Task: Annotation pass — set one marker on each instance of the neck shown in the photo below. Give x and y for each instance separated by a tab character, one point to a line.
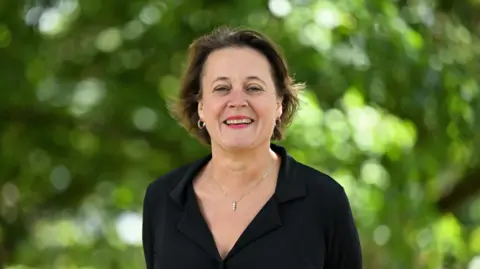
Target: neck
235	169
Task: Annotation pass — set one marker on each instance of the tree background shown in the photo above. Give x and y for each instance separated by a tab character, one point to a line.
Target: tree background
392	111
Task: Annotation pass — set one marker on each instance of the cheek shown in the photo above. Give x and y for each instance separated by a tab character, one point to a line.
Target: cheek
267	113
212	109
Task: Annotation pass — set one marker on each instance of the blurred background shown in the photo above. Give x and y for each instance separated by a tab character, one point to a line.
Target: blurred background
392	111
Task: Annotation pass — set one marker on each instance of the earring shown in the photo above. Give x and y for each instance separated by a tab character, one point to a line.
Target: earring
200	124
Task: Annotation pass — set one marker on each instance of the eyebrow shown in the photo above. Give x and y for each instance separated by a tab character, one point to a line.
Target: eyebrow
248	78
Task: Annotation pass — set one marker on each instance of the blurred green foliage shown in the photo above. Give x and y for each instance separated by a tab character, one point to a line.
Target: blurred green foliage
392	111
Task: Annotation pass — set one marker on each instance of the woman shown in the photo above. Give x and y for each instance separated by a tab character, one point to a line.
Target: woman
248	204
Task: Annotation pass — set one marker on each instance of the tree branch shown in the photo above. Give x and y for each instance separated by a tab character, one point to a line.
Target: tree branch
465	189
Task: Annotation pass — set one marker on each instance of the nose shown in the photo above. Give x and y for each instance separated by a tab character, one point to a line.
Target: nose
237	98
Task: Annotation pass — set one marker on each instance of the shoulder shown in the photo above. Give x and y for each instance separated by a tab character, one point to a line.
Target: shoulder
318	183
326	193
165	183
168	180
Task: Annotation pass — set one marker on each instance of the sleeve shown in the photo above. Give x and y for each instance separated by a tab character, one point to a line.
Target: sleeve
343	245
147	233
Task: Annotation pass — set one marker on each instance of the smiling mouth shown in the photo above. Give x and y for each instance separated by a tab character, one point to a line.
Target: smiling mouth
238	122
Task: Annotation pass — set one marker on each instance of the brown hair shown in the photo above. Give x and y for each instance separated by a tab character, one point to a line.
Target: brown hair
185	109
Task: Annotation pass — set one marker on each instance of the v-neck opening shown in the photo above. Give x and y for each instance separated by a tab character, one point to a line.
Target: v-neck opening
248	234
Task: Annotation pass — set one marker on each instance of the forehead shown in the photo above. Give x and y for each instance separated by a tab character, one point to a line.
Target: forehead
236	63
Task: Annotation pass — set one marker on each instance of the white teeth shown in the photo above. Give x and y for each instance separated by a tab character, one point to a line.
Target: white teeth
242	121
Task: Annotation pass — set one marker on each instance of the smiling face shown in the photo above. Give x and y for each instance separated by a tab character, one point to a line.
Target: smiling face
239	102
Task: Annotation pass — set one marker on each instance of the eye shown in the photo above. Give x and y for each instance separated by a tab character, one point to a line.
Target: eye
254	88
221	88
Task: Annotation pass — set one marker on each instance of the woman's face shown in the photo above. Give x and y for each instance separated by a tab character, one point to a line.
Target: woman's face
239	104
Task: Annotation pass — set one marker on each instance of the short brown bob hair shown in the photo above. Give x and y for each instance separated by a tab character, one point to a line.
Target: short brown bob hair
185	109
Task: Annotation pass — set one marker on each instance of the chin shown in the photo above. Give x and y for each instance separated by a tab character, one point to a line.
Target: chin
239	143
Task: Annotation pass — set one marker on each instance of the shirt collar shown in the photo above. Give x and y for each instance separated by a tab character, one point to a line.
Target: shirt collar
289	185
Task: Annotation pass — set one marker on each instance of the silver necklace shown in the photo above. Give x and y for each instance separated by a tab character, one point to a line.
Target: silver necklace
235	202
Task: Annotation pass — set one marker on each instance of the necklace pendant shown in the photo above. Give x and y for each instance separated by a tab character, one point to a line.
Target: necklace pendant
234	205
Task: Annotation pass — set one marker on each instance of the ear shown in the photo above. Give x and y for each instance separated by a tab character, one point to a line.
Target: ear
279	110
200	109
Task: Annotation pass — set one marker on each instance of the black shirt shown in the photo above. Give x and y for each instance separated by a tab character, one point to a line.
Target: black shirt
307	223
